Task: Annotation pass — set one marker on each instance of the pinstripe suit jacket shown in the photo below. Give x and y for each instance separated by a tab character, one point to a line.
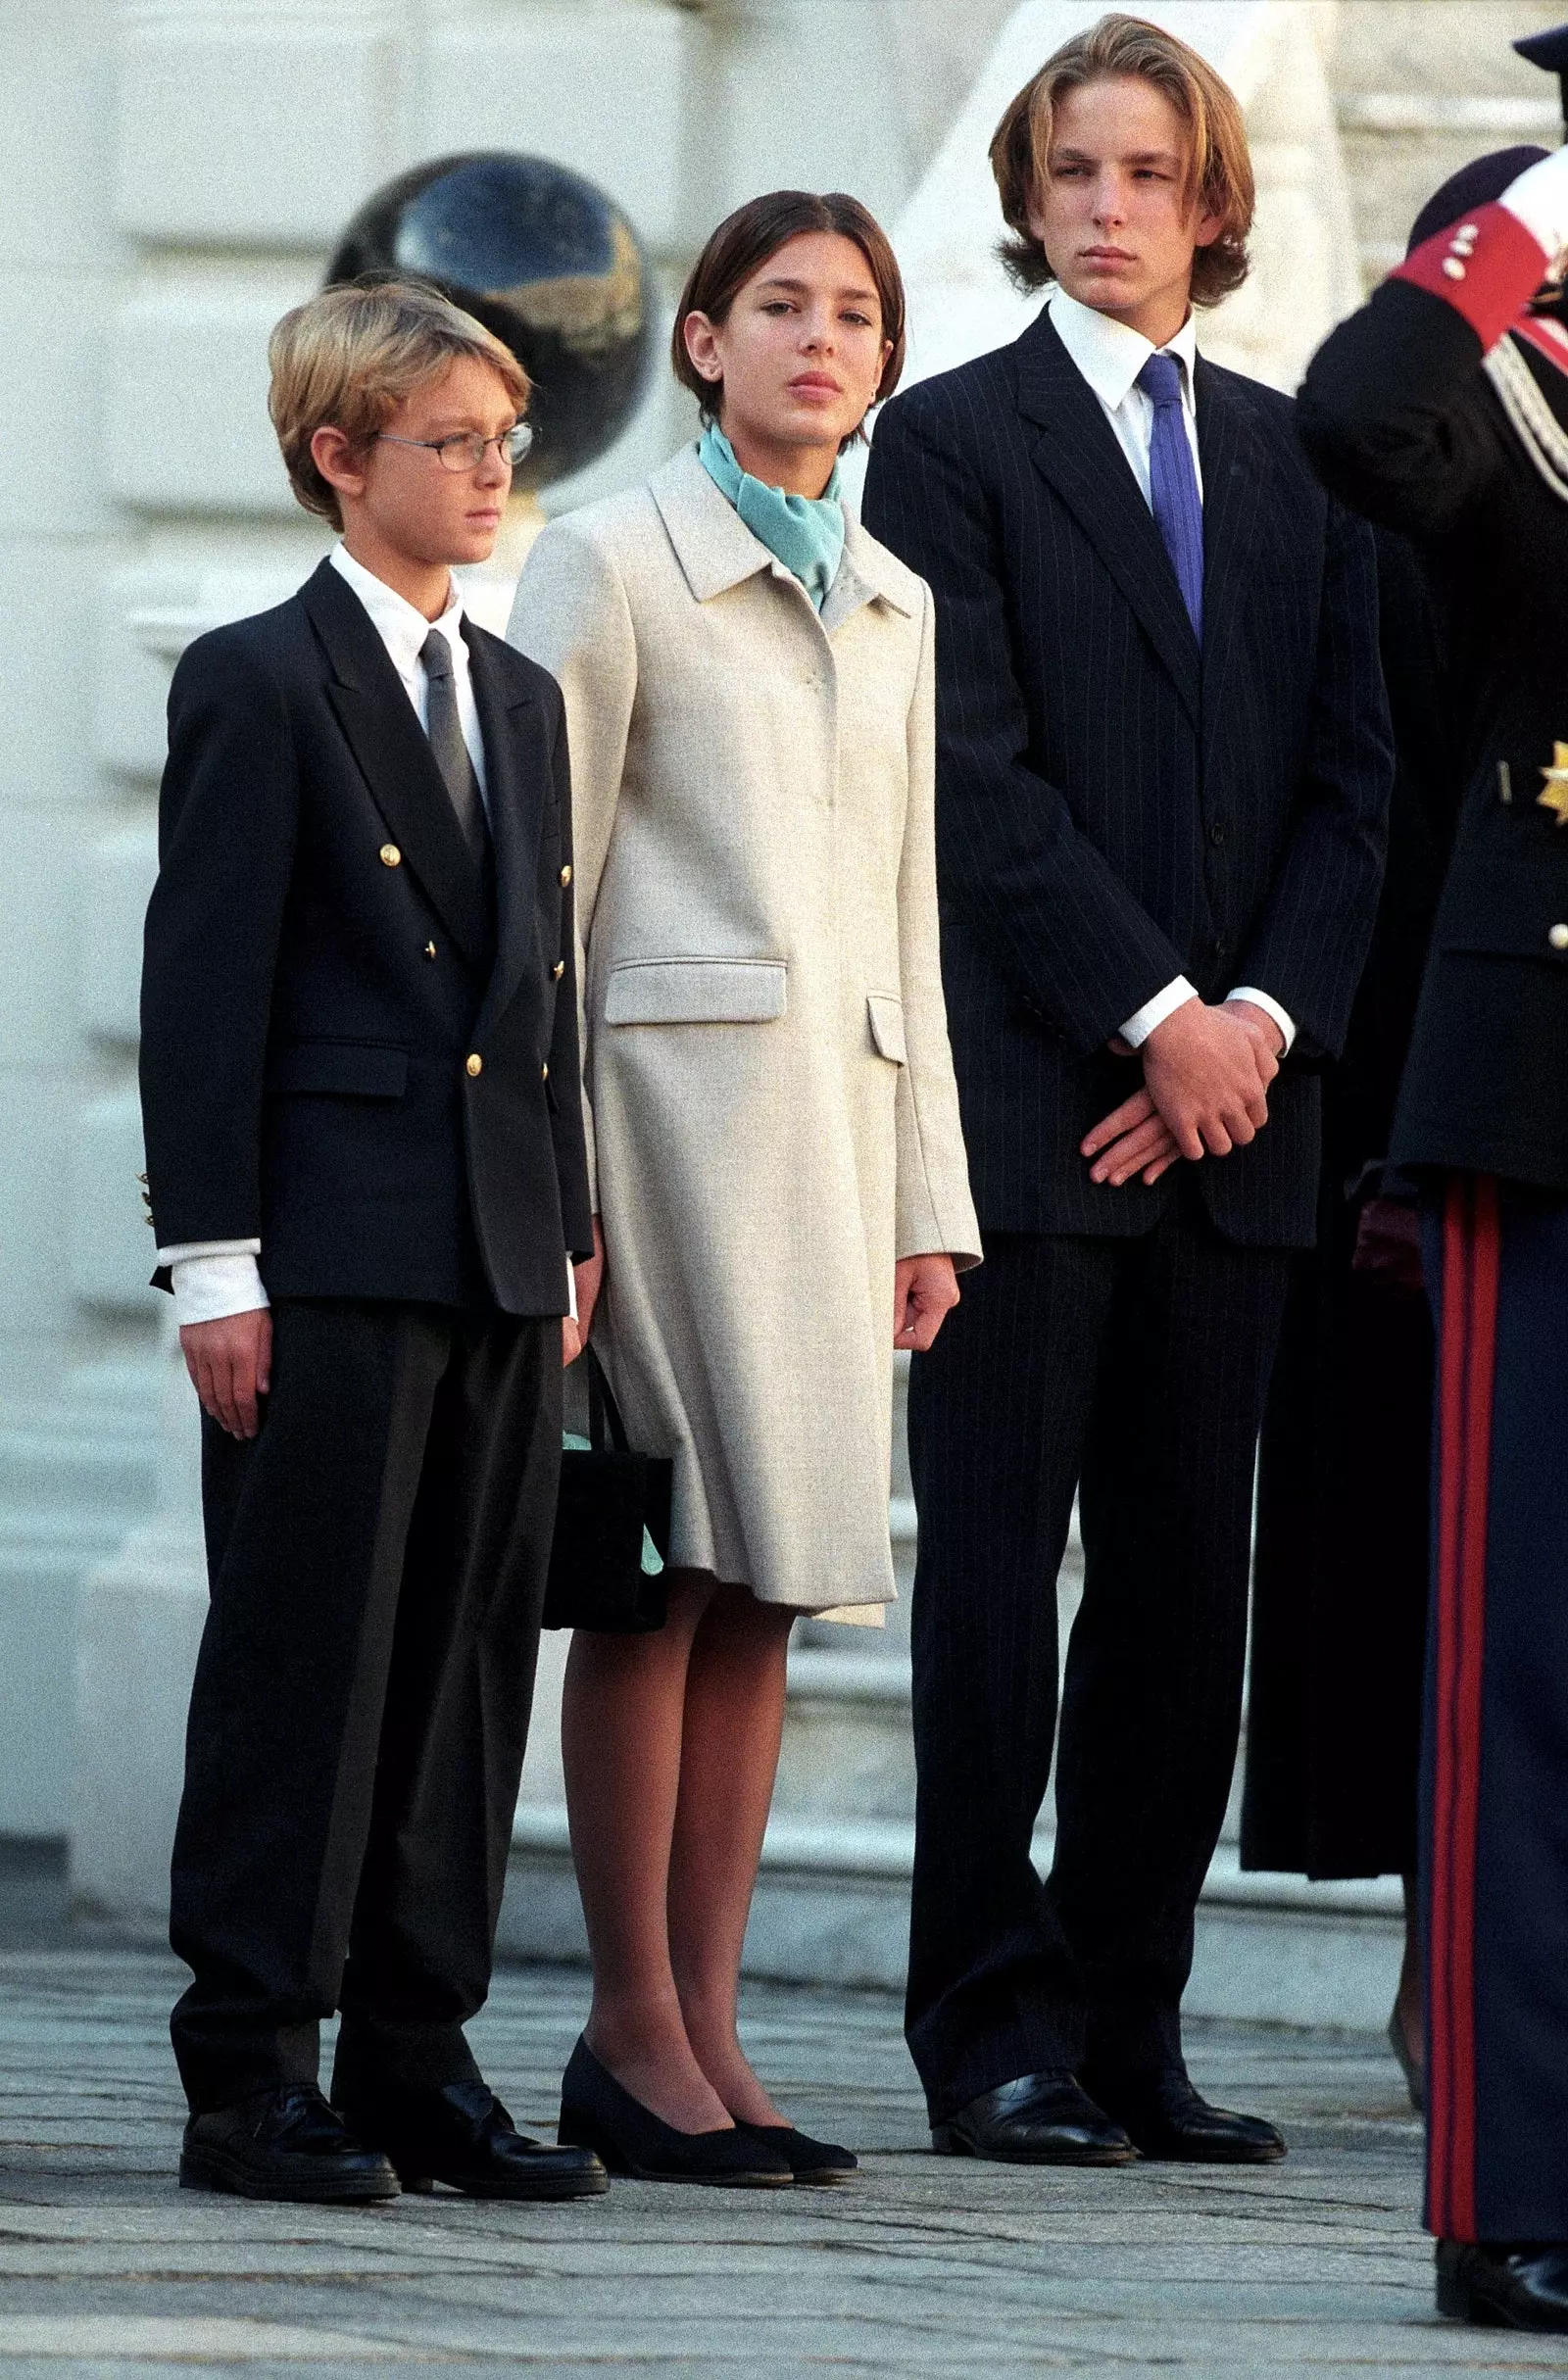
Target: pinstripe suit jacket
1115	806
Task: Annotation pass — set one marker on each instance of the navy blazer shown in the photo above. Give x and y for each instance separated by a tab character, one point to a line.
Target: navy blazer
349	1048
1115	806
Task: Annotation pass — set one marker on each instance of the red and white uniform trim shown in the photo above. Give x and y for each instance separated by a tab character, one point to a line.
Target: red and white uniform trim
1487	266
1467	1365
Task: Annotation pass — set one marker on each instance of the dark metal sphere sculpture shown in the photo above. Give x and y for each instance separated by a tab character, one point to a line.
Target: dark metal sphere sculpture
544	259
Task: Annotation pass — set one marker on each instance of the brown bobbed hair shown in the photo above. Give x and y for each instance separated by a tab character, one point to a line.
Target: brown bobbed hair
744	243
347	359
1220	169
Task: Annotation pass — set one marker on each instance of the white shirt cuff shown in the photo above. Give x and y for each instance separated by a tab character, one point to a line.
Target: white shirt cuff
208	1287
1140	1024
1539	200
1260	999
571	1291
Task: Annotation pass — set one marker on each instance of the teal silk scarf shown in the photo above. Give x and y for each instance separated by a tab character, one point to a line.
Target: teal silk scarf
805	532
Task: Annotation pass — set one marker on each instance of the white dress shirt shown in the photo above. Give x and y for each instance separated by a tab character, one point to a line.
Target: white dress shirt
1110	356
216	1278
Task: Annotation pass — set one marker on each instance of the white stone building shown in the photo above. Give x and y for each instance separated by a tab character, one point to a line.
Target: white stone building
177	172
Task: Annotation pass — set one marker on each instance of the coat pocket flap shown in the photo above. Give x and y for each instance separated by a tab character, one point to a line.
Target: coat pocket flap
696	992
886	1011
1505	915
366	1070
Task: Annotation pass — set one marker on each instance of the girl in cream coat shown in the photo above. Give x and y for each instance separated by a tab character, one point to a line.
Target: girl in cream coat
773	1123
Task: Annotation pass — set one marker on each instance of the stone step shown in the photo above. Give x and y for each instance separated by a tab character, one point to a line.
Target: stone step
832	1908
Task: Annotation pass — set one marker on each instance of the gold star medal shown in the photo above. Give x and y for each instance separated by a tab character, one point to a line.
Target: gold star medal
1554	796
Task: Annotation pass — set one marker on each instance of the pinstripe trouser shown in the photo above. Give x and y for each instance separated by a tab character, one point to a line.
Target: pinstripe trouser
1133	1371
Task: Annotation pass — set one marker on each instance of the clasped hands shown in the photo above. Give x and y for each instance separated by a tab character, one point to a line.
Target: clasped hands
1206	1073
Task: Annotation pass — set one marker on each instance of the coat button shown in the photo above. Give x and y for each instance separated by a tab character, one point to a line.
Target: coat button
1454	268
566	874
429	949
1559	938
391	856
544	1072
474	1063
558	970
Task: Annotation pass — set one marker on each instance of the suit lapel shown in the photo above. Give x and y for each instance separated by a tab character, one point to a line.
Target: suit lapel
394	755
516	818
1075	447
1234	483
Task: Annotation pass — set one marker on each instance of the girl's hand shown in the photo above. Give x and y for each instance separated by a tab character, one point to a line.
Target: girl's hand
925	1289
590	1279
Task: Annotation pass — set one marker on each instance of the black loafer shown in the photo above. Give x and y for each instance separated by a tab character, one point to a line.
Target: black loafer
1038	2119
1522	2288
1164	2118
598	2113
461	2135
809	2160
284	2143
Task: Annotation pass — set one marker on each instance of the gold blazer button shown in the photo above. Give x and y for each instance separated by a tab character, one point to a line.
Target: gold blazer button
1559	938
474	1063
544	1072
391	856
558	970
566	874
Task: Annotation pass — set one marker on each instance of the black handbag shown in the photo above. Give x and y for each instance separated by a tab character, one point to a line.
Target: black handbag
609	1498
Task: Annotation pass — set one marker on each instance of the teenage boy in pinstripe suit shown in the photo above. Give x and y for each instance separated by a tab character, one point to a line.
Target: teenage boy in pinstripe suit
1164	770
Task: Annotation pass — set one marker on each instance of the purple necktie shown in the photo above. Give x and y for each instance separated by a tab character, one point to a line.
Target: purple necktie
1173	483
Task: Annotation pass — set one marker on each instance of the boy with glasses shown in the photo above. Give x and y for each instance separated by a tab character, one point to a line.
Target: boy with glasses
365	1163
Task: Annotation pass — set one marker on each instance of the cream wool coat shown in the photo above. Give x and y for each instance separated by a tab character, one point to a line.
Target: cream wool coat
772	1108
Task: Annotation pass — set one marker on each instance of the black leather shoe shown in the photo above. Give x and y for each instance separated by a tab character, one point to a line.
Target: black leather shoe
1164	2118
1525	2288
809	2160
1040	2119
285	2142
461	2135
598	2112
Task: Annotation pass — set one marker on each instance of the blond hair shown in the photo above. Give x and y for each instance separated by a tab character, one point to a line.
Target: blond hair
349	357
1219	169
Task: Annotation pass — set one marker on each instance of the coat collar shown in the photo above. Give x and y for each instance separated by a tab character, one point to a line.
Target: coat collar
716	550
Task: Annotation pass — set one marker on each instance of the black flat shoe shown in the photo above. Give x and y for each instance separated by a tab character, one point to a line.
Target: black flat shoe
1520	2288
1164	2118
461	2135
598	2112
1415	2079
809	2160
287	2144
1038	2119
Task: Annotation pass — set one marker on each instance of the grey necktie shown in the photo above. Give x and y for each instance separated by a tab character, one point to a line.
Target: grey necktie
445	731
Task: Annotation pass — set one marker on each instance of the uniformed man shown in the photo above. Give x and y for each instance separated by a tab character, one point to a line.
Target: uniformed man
1442	409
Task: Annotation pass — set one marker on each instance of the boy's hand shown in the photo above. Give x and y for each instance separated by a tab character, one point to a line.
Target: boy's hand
230	1366
1207	1071
1134	1138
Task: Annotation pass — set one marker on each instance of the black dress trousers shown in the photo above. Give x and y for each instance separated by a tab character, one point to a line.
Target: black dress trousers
378	1557
1135	1372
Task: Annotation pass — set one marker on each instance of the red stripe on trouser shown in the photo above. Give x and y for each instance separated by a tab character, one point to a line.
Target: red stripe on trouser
1471	1247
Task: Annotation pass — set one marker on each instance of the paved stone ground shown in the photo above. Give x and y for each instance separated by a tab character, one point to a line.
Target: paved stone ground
924	2266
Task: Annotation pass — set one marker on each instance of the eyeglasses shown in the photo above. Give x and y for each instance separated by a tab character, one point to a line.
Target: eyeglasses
465	449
